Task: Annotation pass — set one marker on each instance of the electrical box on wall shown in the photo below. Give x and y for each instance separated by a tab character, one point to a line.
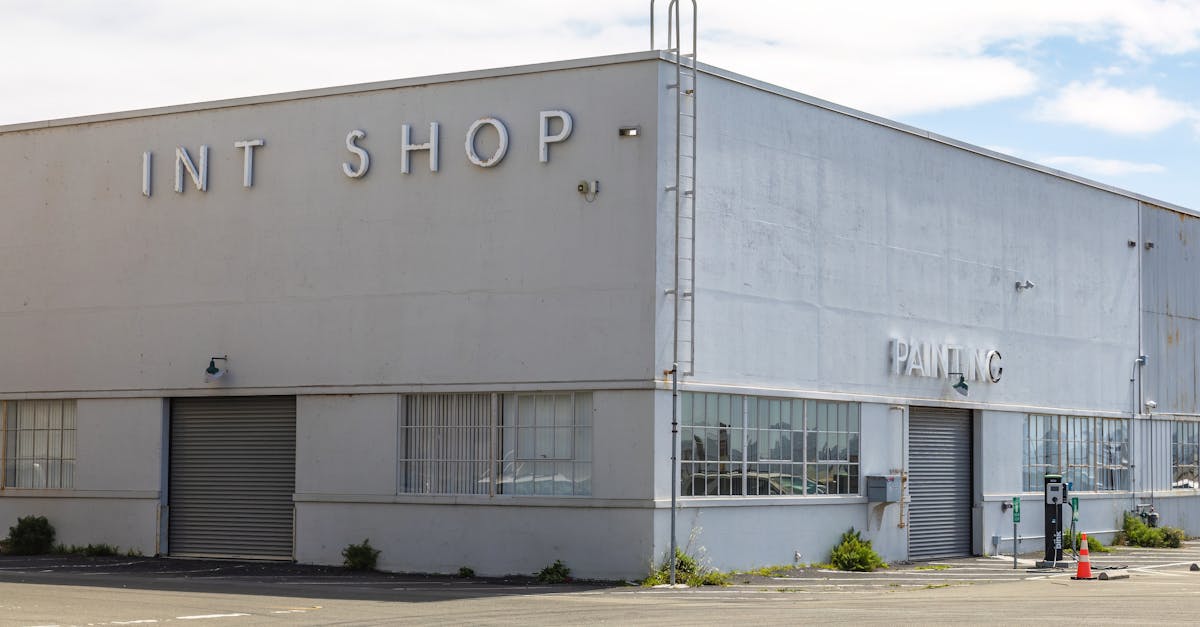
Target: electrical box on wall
883	488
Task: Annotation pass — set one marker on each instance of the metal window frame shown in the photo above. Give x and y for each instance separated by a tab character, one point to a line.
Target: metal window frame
1075	436
802	423
1181	446
8	431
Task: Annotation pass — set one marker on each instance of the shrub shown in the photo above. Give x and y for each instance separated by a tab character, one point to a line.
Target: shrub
33	535
855	554
687	571
466	572
91	550
1137	533
360	556
555	573
1094	545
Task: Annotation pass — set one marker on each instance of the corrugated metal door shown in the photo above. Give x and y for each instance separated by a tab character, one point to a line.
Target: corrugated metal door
232	476
939	482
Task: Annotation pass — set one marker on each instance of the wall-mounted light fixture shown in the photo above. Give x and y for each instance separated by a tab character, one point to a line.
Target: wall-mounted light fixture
1150	405
629	131
213	371
1025	285
589	189
961	386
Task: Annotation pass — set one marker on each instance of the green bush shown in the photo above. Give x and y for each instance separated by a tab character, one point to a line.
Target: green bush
1094	545
1137	533
360	556
687	571
855	554
466	572
33	535
555	573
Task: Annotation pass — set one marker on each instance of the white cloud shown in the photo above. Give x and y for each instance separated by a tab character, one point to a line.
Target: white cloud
886	57
1097	104
1091	166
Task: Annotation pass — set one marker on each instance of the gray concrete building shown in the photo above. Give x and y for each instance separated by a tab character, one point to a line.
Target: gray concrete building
438	313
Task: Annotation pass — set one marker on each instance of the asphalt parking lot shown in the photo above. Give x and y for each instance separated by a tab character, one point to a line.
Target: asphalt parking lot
169	573
1134	561
69	590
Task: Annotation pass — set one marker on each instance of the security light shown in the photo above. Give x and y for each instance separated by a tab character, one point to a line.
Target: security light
1025	285
961	386
213	372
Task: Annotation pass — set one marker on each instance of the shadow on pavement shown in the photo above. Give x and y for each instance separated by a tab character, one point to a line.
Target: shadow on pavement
283	579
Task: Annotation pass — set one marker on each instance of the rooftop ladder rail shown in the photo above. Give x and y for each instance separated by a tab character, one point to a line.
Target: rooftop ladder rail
684	187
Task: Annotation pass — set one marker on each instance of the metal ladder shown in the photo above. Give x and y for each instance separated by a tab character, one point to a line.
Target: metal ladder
684	187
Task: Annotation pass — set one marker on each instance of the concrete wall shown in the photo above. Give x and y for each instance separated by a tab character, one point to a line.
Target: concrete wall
1171	310
311	278
820	237
609	542
118	479
741	532
346	491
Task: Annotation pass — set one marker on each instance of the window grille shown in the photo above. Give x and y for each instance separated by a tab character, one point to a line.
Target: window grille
39	449
445	444
524	444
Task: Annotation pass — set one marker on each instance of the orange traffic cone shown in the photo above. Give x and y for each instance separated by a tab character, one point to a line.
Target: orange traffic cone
1084	568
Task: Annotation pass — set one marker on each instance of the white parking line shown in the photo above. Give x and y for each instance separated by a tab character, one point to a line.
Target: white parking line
203	616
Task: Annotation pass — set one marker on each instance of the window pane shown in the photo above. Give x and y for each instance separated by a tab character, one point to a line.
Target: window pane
583	445
525	411
564	440
564	409
583	409
544	410
544	443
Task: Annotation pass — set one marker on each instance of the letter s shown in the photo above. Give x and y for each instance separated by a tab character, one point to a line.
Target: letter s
364	159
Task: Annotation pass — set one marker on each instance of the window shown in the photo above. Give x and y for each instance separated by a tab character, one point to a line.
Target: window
39	444
745	445
1092	454
445	444
547	446
523	444
1185	455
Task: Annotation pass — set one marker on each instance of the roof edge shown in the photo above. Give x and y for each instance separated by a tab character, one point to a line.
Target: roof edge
570	64
322	92
941	139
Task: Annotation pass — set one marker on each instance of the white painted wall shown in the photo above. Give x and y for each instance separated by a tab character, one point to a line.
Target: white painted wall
346	491
310	278
82	519
821	236
119	444
346	444
740	532
610	543
118	479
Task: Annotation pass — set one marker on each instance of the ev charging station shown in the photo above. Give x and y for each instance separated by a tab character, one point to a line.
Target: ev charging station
1056	496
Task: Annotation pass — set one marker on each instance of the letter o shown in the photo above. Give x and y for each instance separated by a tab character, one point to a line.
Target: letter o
501	150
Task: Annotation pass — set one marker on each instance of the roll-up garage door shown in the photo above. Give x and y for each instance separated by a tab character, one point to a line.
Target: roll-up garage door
939	482
232	476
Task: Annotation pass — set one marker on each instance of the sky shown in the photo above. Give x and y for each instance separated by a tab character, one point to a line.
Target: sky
1105	89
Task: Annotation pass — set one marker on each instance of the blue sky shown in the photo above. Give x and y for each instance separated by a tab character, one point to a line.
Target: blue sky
1106	89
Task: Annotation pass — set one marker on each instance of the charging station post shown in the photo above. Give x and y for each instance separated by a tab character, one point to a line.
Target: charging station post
1056	496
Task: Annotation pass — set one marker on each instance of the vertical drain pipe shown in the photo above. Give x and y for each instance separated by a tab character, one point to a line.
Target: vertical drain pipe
674	459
